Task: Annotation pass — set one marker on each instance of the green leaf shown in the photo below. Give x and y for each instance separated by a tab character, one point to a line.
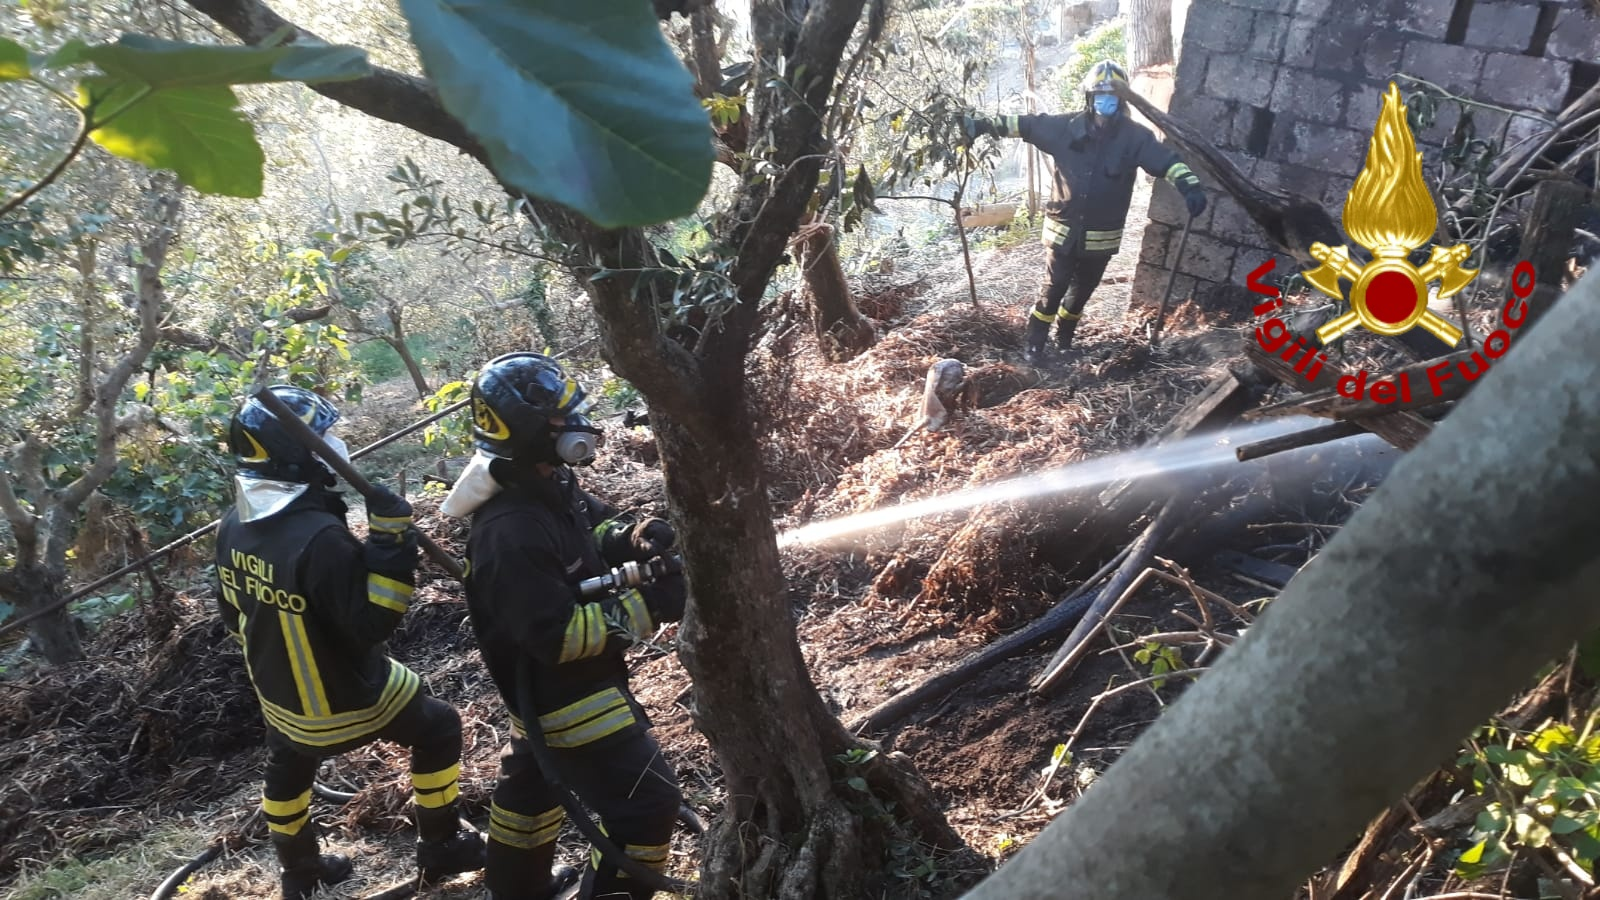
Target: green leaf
583	105
1565	824
177	64
857	782
196	132
13	61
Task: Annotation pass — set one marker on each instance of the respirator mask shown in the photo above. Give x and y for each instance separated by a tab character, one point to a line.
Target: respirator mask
337	446
1105	104
577	440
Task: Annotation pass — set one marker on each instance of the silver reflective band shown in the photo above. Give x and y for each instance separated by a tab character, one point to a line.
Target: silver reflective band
258	498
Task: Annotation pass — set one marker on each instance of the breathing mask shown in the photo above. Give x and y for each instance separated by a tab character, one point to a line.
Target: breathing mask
337	446
1106	104
577	440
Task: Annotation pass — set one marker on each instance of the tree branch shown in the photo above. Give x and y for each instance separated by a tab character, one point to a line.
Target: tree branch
151	297
24	524
411	102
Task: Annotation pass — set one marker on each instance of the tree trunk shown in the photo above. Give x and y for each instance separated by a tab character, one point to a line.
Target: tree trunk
32	588
792	828
1149	33
1438	600
842	331
397	340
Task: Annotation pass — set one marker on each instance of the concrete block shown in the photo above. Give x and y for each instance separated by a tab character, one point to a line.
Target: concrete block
1268	174
1205	114
1238	78
1304	180
1148	282
1327	148
1300	44
1153	250
1576	35
1248	259
1207	257
1306	95
1456	69
1502	26
1428	18
1191	73
1363	102
1167	208
1526	81
1218	27
1230	221
1381	53
1268	36
1340	47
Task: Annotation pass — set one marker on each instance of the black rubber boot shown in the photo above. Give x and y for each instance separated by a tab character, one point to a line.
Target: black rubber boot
1037	331
563	884
1065	330
445	845
304	868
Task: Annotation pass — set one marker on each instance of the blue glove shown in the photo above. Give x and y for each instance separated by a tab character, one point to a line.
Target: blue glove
1196	200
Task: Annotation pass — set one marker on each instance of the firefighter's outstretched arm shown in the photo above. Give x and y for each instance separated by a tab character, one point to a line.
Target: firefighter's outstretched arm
999	126
1162	162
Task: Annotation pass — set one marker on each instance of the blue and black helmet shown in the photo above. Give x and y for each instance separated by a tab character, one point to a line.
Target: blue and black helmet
260	444
514	398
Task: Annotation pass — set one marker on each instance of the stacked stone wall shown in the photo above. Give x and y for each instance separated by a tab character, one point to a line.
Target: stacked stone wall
1289	90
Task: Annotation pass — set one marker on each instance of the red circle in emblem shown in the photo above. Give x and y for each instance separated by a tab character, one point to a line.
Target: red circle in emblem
1391	297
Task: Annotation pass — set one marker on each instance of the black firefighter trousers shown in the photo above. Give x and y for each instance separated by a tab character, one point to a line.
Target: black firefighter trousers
1067	268
625	780
430	727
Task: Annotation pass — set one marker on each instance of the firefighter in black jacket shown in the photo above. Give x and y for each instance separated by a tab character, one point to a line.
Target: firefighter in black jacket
1096	153
555	655
311	607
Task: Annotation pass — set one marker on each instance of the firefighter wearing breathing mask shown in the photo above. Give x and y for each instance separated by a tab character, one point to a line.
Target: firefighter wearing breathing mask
311	606
1096	153
555	655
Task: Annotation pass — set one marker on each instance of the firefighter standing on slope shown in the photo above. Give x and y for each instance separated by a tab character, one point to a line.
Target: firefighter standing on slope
1096	152
311	606
554	654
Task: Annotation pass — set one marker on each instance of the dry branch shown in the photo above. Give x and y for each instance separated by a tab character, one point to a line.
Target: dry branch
1122	584
1067	611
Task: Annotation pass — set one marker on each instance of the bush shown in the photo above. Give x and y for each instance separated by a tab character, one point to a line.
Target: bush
1105	41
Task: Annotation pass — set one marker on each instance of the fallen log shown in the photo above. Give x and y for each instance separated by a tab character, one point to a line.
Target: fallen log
1139	556
1328	403
1403	429
1066	613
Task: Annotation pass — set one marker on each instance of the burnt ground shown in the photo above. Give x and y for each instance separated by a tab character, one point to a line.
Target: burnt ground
160	727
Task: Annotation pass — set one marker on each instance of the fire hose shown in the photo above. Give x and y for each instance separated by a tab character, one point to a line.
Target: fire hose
535	737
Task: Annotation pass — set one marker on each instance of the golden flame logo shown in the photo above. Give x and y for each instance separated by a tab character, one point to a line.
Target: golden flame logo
1390	212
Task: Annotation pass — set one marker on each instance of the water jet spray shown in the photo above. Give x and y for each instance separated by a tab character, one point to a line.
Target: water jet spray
1189	454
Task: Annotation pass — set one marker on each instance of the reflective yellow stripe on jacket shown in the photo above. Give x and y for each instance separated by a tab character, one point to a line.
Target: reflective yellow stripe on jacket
327	730
1054	233
1105	241
590	719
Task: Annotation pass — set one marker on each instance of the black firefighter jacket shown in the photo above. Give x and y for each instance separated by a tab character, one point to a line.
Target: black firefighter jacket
547	648
297	595
1094	173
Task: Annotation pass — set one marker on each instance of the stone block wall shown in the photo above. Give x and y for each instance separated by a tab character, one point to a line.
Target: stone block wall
1290	90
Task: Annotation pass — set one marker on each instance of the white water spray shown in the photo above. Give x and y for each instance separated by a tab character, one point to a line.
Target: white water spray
1198	452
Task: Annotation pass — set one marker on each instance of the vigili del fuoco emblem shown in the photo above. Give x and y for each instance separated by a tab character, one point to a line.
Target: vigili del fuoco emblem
1391	213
